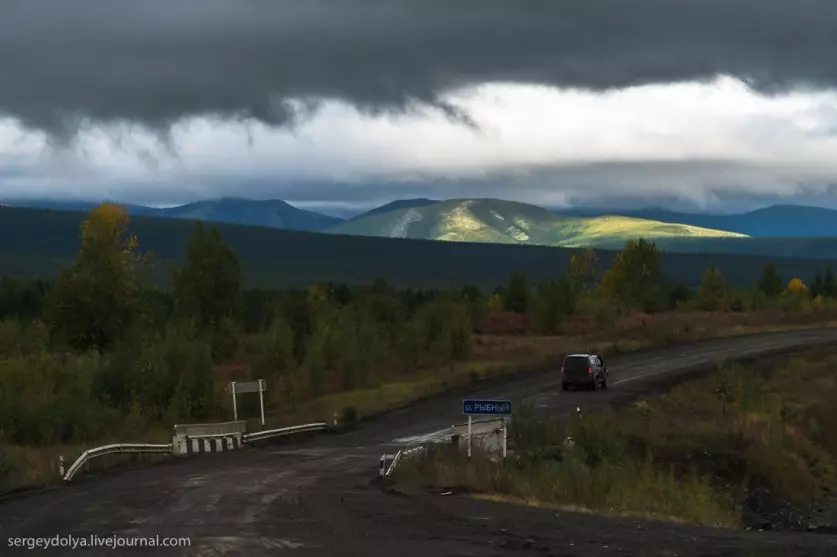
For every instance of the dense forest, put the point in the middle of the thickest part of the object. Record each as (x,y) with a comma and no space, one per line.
(100,352)
(39,243)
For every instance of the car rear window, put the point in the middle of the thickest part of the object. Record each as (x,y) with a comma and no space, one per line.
(574,363)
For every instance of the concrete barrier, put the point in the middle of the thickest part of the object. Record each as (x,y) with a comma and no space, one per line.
(219,429)
(208,438)
(486,435)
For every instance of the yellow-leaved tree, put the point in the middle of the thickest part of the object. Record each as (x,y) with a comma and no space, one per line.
(99,298)
(635,277)
(796,286)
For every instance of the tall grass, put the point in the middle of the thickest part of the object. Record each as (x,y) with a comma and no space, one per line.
(690,455)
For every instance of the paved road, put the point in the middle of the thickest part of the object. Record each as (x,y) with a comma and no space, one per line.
(316,497)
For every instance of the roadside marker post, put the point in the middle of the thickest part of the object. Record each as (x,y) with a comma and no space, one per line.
(469,436)
(257,386)
(473,407)
(235,408)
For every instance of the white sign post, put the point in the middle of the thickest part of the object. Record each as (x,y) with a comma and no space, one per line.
(258,386)
(469,435)
(478,407)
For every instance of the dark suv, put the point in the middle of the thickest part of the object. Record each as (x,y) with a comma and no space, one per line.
(583,370)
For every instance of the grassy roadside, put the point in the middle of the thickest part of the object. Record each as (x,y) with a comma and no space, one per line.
(498,356)
(493,357)
(689,456)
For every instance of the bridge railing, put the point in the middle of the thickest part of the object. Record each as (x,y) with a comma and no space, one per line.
(119,448)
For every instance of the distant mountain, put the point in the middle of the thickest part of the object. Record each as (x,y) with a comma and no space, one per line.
(273,213)
(54,205)
(507,222)
(396,205)
(785,221)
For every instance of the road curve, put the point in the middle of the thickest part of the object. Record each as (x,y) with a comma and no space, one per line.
(315,497)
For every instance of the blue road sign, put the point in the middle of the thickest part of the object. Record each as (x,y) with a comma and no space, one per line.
(486,407)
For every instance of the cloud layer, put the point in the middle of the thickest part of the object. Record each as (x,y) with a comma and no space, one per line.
(159,61)
(698,142)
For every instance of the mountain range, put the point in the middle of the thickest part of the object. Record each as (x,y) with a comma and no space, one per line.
(272,212)
(499,221)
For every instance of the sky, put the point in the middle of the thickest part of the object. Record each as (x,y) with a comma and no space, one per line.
(342,104)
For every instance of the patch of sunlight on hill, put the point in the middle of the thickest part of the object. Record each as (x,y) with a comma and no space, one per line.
(609,227)
(459,224)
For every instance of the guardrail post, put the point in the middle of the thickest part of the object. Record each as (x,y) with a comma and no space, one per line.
(61,465)
(261,398)
(235,407)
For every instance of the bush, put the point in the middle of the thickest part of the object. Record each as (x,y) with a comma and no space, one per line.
(47,399)
(504,322)
(8,471)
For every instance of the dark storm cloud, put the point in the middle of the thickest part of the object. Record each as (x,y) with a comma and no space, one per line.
(153,61)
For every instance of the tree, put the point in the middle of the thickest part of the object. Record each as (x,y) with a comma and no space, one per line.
(770,283)
(495,302)
(796,287)
(713,290)
(99,299)
(583,271)
(554,300)
(518,294)
(679,293)
(829,284)
(818,285)
(635,278)
(207,288)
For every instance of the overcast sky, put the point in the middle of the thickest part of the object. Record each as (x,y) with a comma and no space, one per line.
(342,103)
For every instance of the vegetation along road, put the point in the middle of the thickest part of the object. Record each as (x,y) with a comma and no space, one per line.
(319,496)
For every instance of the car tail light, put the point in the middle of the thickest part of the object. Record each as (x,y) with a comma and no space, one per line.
(562,370)
(589,371)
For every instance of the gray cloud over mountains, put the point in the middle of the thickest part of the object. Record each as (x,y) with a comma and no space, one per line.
(155,61)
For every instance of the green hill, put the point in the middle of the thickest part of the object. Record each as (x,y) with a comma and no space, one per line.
(508,222)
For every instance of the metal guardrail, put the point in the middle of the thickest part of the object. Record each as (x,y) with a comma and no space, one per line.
(408,451)
(404,453)
(141,448)
(119,448)
(267,434)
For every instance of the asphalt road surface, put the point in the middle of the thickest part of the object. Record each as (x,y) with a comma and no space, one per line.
(319,497)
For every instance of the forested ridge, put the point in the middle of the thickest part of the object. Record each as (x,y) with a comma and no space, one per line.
(38,243)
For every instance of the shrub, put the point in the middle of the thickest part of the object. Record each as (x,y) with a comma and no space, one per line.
(504,322)
(8,471)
